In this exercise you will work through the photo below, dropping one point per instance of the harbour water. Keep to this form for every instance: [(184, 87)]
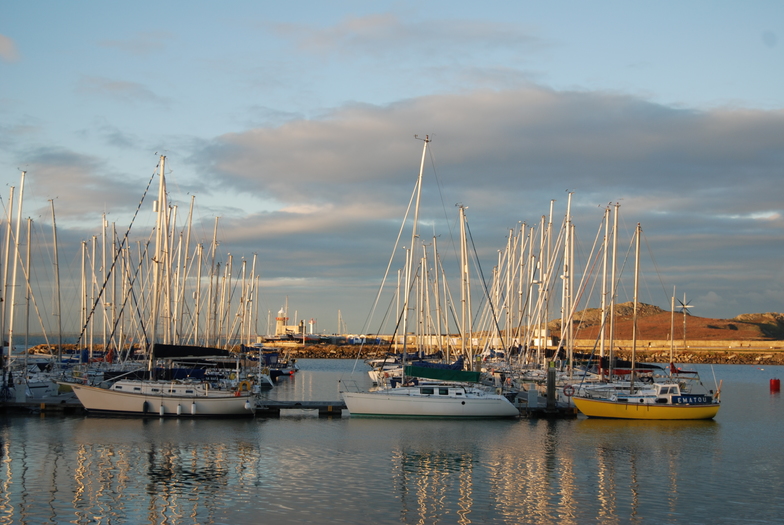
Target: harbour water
[(303, 469)]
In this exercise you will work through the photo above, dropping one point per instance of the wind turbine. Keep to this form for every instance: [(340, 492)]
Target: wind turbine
[(684, 306)]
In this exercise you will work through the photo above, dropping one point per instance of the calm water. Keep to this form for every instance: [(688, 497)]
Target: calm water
[(301, 469)]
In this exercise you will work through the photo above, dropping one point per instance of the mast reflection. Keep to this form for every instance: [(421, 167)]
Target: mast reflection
[(103, 482), (428, 485)]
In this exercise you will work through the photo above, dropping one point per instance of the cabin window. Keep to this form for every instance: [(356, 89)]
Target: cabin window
[(117, 387), (427, 391), (443, 391), (137, 388), (458, 393), (189, 391), (156, 390)]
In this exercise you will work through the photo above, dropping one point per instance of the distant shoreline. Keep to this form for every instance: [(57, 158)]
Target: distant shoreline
[(658, 355), (718, 352)]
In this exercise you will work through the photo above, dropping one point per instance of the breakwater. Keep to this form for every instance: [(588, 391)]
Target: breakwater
[(736, 356), (696, 352)]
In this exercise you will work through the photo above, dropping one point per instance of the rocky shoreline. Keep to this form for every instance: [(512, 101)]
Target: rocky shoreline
[(646, 356), (690, 356)]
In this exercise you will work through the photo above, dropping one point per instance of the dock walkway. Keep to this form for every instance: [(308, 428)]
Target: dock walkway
[(325, 408), (264, 409)]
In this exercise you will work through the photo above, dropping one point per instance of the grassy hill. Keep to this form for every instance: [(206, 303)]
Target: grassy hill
[(655, 323)]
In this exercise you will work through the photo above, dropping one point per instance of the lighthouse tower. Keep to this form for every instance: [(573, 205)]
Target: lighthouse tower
[(280, 322)]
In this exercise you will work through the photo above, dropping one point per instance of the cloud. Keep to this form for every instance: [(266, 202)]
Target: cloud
[(321, 200), (142, 44), (387, 35), (703, 183), (8, 51), (122, 91), (590, 142), (75, 179)]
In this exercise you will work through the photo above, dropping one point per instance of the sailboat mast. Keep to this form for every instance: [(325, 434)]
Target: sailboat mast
[(16, 266), (613, 290), (604, 282), (410, 253), (161, 209), (672, 325), (27, 287), (184, 269), (437, 298), (102, 297), (251, 300), (566, 298), (197, 294), (636, 301), (6, 253), (465, 309), (212, 292), (57, 291)]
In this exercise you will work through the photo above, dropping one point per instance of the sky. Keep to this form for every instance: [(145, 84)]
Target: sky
[(295, 124)]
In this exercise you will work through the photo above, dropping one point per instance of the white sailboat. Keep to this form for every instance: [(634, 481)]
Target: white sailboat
[(430, 400), (186, 397), (166, 398), (453, 396)]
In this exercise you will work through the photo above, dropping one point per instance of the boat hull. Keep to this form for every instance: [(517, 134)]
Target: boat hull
[(105, 401), (625, 410), (376, 404)]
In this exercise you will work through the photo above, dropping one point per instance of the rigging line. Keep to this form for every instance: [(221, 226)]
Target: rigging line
[(450, 306), (484, 284), (443, 205), (655, 267), (369, 317), (378, 333), (392, 256), (581, 290), (130, 296), (397, 326), (582, 286), (29, 290), (34, 270), (618, 281), (114, 261)]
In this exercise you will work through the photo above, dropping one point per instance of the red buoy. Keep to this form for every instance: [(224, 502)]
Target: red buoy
[(775, 385)]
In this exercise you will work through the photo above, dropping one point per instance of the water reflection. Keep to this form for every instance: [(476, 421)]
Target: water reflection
[(306, 469), (428, 481), (122, 471), (638, 459), (551, 471), (168, 471), (535, 480)]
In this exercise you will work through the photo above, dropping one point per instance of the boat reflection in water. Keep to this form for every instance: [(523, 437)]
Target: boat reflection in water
[(430, 482), (303, 468)]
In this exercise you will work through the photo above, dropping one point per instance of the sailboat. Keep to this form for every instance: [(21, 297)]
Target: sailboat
[(231, 397), (632, 400), (455, 394)]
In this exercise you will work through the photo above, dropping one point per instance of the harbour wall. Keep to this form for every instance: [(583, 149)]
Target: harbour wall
[(648, 351)]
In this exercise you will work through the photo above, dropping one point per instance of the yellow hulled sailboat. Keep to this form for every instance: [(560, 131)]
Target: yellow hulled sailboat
[(645, 400), (656, 401)]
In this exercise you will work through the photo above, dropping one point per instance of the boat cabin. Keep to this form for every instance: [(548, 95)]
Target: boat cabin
[(663, 394)]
